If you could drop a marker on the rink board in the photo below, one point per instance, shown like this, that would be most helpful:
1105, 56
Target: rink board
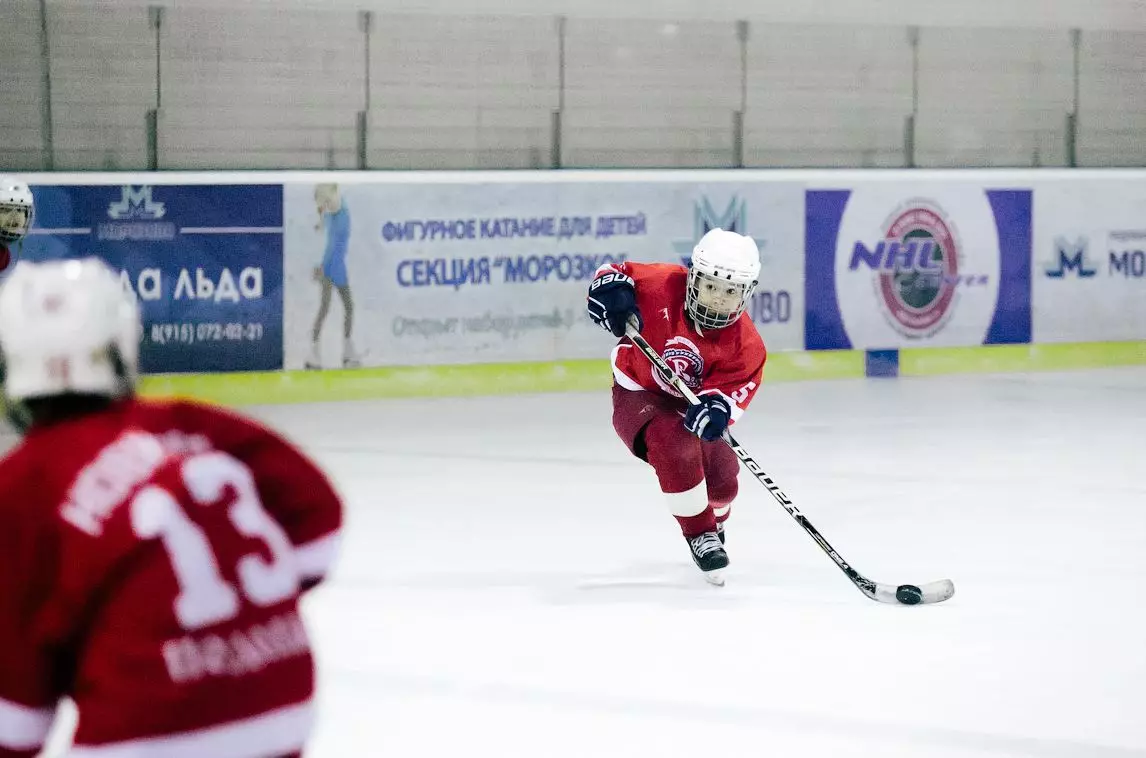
473, 283
275, 387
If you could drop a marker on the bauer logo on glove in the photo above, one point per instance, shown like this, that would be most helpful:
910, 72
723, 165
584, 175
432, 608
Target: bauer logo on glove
612, 300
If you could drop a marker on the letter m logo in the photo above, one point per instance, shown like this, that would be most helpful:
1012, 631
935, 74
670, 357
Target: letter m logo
1071, 257
136, 204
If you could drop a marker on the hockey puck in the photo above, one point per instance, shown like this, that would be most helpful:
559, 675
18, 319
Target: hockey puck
908, 594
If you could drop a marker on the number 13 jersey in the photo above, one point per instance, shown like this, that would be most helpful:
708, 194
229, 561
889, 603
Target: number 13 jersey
152, 556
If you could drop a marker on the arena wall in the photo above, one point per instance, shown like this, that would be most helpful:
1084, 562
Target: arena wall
474, 282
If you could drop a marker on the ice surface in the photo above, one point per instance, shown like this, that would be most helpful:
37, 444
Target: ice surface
513, 586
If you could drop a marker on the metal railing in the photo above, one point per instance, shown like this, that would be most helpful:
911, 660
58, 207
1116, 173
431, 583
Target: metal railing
547, 136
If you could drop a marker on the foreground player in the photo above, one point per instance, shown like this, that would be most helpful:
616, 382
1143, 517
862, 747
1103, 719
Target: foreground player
693, 318
16, 211
152, 555
332, 274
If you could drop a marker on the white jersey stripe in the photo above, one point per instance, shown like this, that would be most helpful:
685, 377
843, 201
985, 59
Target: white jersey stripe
274, 733
316, 558
622, 378
23, 728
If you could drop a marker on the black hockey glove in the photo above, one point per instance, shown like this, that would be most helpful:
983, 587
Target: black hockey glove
612, 300
709, 418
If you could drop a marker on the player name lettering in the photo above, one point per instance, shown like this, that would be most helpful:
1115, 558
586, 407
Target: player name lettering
237, 653
122, 466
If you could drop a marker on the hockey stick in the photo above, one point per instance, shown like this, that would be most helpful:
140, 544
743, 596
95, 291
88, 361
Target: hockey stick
906, 594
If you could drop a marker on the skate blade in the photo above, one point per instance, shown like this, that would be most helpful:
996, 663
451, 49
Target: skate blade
715, 577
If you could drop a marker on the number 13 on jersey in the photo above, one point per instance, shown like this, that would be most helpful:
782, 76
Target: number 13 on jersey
205, 597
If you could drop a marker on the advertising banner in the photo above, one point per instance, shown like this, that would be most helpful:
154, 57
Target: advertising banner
1090, 261
409, 273
205, 262
907, 264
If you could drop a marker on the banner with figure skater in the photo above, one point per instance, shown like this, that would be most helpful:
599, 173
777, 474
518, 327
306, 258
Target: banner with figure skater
445, 271
331, 274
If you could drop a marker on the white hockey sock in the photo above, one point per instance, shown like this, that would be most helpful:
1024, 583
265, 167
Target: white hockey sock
691, 502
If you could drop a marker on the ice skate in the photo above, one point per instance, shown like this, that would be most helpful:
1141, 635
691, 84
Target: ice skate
313, 359
350, 356
709, 556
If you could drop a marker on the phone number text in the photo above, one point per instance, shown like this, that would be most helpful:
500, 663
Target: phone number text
189, 334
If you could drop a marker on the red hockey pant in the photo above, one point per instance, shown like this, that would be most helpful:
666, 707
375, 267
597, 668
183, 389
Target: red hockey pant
652, 427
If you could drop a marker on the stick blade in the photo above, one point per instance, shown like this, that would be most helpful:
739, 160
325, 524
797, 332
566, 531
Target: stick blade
910, 594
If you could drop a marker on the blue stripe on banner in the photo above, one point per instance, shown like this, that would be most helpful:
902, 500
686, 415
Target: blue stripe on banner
881, 363
823, 322
1012, 322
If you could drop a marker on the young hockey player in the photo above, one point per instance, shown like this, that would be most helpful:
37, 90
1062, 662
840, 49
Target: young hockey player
693, 317
152, 554
17, 209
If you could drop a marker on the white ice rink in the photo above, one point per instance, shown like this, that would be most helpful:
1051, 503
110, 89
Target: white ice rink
512, 585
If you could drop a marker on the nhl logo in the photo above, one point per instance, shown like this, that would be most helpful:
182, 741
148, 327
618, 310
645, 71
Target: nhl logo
915, 269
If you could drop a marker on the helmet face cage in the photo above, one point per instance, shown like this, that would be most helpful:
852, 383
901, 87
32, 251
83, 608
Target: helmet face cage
713, 302
15, 220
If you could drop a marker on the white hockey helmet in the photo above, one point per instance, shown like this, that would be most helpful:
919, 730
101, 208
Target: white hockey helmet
724, 271
68, 327
16, 210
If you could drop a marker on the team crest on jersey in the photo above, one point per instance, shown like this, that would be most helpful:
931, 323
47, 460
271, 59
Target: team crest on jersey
684, 357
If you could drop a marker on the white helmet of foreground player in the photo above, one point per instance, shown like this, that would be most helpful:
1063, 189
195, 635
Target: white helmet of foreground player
16, 210
67, 328
725, 269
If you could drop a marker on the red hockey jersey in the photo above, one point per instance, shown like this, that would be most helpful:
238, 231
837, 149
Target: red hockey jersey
151, 561
728, 361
